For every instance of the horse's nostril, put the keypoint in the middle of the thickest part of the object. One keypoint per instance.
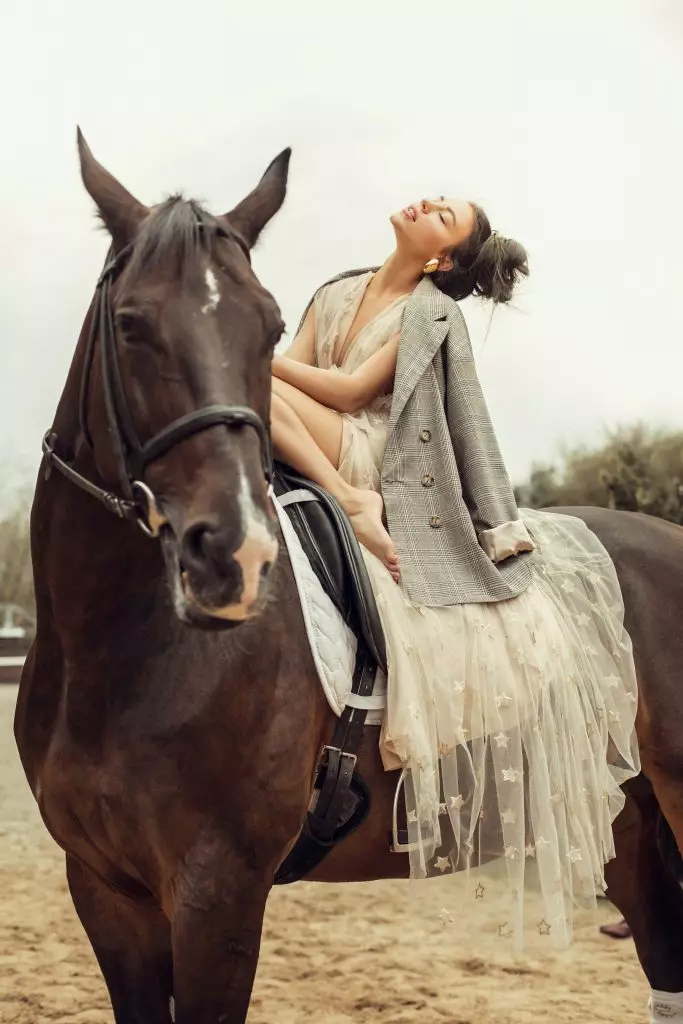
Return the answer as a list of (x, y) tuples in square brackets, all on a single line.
[(265, 569), (194, 543)]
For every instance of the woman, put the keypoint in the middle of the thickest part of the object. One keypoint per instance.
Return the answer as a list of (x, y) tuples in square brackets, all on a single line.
[(511, 691)]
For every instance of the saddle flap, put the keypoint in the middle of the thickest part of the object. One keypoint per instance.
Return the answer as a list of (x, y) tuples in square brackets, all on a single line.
[(330, 544)]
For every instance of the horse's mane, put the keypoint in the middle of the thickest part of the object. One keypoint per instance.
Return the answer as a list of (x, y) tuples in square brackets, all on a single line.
[(173, 234)]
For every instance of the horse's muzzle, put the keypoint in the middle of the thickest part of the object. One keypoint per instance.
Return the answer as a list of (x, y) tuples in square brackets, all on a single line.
[(223, 580)]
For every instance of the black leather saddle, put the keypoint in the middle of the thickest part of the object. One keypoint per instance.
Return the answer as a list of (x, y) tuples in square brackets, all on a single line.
[(328, 540), (341, 800)]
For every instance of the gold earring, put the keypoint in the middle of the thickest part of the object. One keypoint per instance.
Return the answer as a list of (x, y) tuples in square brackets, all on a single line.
[(430, 266)]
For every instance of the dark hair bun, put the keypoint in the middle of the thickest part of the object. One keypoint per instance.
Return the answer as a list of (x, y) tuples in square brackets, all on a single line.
[(484, 264), (498, 267)]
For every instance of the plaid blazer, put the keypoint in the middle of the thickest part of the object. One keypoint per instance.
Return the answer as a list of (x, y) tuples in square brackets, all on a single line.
[(449, 503)]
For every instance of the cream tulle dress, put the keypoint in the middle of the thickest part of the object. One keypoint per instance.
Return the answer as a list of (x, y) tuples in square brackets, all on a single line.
[(513, 722)]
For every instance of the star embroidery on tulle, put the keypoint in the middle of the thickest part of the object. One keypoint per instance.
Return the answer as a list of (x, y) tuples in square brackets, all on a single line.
[(541, 843), (589, 649), (414, 710), (412, 817), (632, 697), (458, 686), (457, 802), (479, 892), (504, 931), (568, 587), (612, 681), (554, 650), (442, 863), (407, 646), (582, 619), (555, 798), (615, 716), (510, 775), (511, 852), (508, 817), (503, 701), (445, 917), (543, 927), (530, 850), (502, 741), (574, 854), (491, 632), (520, 656), (442, 808)]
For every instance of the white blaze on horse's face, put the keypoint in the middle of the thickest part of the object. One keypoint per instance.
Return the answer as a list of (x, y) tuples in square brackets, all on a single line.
[(213, 290), (258, 549)]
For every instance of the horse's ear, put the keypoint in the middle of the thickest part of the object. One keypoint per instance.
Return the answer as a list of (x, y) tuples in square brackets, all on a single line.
[(251, 215), (121, 212)]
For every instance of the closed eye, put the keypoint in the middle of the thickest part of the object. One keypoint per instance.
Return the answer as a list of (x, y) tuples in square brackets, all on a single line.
[(443, 199)]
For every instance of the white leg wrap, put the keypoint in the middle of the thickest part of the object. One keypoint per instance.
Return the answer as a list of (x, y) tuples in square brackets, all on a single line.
[(666, 1007)]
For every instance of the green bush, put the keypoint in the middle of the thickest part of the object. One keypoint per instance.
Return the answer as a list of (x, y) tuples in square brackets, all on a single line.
[(638, 469)]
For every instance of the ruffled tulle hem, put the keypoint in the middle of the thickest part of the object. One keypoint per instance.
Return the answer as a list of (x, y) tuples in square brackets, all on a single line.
[(514, 723)]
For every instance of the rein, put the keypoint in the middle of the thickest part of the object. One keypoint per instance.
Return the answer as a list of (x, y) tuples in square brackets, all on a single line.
[(138, 502)]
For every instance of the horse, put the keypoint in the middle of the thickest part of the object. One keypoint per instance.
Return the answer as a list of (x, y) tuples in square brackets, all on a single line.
[(169, 716)]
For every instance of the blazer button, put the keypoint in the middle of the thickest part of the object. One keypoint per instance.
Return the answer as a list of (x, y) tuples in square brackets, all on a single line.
[(435, 522), (428, 480), (425, 435)]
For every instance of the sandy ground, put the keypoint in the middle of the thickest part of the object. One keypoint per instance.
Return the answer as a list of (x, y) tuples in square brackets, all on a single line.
[(331, 954)]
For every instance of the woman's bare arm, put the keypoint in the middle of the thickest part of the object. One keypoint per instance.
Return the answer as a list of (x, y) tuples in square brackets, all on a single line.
[(339, 391), (302, 349)]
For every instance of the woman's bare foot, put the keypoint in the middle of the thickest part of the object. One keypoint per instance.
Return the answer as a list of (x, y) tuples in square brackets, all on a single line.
[(620, 930), (364, 509)]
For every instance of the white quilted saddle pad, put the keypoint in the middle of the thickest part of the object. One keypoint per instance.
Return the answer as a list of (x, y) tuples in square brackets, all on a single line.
[(333, 644)]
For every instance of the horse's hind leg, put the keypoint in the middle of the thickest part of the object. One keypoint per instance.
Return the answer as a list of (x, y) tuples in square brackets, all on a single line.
[(648, 895), (132, 943)]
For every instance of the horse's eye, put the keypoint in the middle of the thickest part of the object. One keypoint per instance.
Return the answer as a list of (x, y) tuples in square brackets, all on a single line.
[(129, 323)]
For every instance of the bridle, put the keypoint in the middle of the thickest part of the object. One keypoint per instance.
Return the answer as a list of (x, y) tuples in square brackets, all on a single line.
[(138, 502)]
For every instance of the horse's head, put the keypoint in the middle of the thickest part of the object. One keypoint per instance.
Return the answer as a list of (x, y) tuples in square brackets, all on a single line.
[(191, 330)]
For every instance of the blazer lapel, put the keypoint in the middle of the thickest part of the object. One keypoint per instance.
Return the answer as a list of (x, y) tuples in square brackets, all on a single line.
[(425, 325)]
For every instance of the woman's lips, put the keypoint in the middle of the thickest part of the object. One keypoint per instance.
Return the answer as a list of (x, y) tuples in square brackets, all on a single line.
[(410, 212)]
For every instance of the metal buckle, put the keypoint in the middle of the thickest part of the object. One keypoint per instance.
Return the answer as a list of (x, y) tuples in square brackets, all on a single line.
[(152, 518)]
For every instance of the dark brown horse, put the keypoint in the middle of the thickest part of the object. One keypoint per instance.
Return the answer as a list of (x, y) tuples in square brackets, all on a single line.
[(172, 763)]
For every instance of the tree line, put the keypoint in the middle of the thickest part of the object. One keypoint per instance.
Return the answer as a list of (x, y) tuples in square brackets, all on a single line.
[(637, 469)]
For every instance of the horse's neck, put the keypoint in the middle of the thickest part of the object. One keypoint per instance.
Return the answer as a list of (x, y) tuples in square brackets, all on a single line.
[(66, 421)]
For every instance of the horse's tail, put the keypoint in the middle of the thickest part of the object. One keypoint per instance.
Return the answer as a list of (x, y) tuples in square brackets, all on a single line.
[(668, 848)]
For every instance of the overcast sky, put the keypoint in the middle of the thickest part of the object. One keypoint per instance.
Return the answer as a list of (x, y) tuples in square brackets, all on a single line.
[(563, 119)]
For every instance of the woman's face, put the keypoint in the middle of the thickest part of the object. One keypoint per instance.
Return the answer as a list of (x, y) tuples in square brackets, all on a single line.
[(433, 227)]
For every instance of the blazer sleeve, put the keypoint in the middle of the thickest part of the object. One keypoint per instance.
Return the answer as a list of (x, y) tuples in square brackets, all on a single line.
[(486, 487)]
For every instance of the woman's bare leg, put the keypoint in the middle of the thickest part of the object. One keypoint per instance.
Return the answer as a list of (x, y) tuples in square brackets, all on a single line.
[(316, 456)]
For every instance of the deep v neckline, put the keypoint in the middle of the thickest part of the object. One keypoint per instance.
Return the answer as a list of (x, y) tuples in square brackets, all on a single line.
[(338, 361)]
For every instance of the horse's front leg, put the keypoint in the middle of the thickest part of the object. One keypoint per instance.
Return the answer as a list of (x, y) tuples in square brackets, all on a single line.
[(219, 901), (132, 943)]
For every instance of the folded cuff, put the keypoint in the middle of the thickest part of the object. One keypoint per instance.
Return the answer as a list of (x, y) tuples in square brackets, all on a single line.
[(505, 540)]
